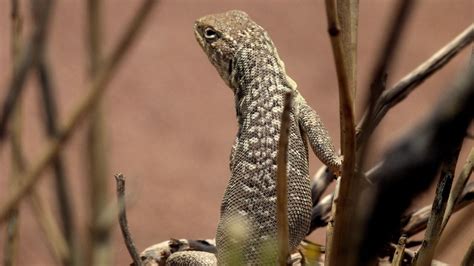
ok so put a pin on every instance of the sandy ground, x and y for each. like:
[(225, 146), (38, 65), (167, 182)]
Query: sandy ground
[(170, 120)]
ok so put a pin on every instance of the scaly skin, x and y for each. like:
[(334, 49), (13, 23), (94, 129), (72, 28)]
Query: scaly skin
[(248, 62)]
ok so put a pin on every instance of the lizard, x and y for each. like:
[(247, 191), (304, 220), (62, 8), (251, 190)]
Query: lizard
[(247, 60)]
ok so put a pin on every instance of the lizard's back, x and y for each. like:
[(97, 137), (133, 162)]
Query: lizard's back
[(248, 62)]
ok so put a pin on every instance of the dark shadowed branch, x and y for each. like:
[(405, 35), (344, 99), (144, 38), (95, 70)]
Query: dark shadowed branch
[(411, 165), (321, 213), (132, 250), (321, 180), (416, 221), (434, 229)]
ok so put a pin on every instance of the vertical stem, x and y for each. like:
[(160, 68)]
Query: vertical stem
[(344, 44), (11, 242), (97, 163), (282, 183), (51, 127)]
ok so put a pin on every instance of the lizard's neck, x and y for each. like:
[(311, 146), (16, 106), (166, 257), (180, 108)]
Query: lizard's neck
[(258, 80)]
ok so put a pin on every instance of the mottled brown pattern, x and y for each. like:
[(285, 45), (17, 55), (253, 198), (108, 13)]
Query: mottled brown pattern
[(248, 62)]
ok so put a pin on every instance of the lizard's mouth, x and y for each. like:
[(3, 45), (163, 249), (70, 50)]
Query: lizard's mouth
[(197, 34), (229, 68)]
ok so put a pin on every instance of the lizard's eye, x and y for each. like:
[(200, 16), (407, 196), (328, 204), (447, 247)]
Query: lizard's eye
[(210, 33)]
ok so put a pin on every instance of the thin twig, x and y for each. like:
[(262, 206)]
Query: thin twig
[(11, 241), (384, 60), (458, 187), (51, 229), (282, 182), (50, 121), (26, 60), (412, 164), (42, 214), (410, 82), (132, 250), (416, 222), (399, 252), (433, 231), (344, 59), (96, 90)]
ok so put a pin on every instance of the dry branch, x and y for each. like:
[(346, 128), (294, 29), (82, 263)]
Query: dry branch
[(11, 241), (399, 252), (344, 58), (411, 165), (383, 62), (407, 84), (458, 188), (416, 222), (282, 182), (433, 232), (99, 245), (132, 250), (96, 91), (26, 60), (51, 127)]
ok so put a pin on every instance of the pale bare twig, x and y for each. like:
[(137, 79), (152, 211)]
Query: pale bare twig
[(132, 250), (345, 59), (399, 252), (458, 188), (282, 182), (407, 84), (95, 92)]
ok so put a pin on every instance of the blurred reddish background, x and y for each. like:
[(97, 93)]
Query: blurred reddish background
[(170, 119)]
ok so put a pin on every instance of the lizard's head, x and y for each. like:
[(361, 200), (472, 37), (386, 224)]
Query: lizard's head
[(223, 35)]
